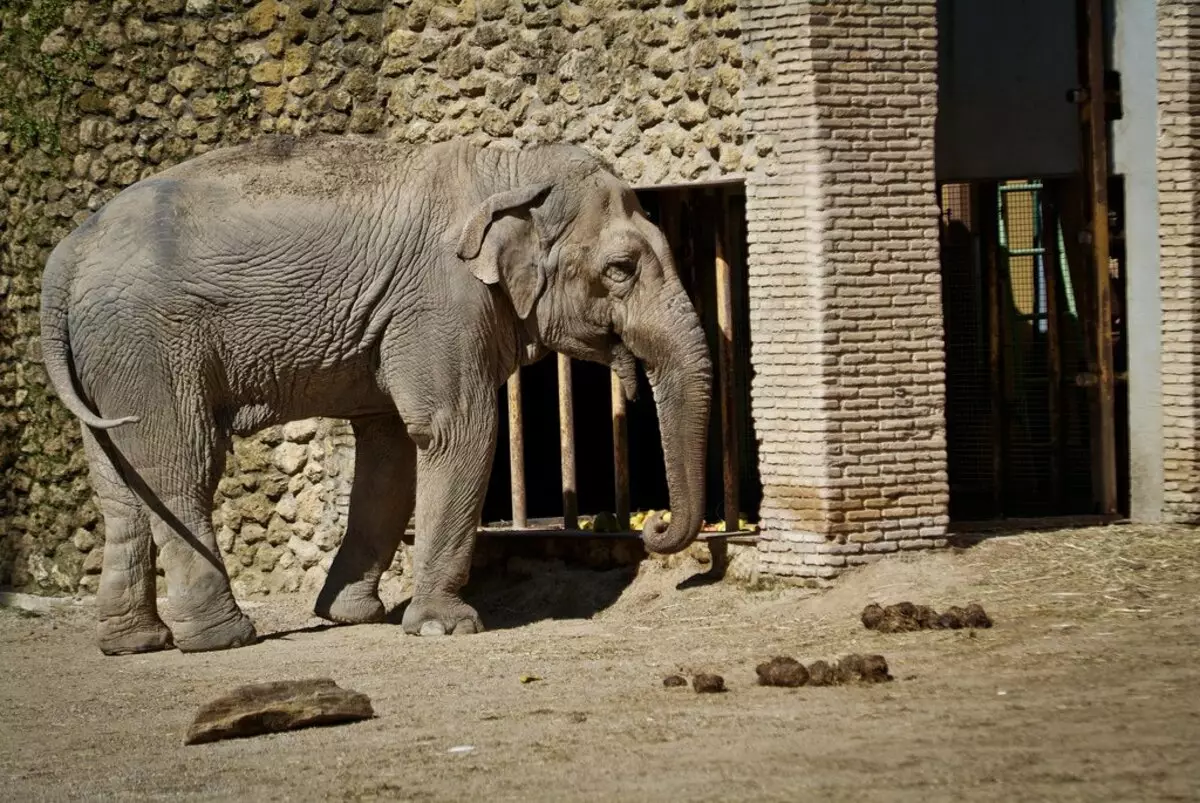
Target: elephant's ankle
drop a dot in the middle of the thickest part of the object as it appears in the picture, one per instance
(354, 604)
(196, 635)
(130, 634)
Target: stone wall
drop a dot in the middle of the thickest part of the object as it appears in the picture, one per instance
(1179, 173)
(99, 94)
(848, 393)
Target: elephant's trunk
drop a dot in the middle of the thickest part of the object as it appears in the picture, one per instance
(681, 375)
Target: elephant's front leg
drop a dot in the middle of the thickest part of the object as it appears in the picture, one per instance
(381, 503)
(453, 466)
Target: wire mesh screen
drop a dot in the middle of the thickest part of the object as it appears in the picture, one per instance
(969, 437)
(1025, 326)
(1018, 422)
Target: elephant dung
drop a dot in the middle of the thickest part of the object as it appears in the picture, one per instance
(904, 617)
(863, 668)
(705, 683)
(782, 671)
(275, 706)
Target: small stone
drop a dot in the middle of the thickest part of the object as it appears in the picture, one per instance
(94, 561)
(84, 540)
(297, 60)
(366, 120)
(185, 77)
(274, 98)
(261, 18)
(674, 681)
(782, 671)
(650, 113)
(290, 457)
(206, 108)
(690, 113)
(55, 43)
(252, 533)
(161, 8)
(306, 552)
(705, 683)
(277, 706)
(267, 72)
(255, 507)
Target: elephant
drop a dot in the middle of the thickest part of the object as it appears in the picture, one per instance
(394, 286)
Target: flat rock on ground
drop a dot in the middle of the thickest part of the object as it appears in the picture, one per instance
(280, 705)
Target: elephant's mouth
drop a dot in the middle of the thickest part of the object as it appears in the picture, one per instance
(624, 364)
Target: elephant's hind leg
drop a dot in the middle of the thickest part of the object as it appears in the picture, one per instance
(178, 455)
(381, 504)
(129, 620)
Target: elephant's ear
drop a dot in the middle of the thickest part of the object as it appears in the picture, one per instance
(513, 252)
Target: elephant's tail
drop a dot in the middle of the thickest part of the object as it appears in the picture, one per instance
(56, 345)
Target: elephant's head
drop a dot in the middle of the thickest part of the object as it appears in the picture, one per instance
(595, 279)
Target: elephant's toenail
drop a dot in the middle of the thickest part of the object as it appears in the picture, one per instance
(433, 628)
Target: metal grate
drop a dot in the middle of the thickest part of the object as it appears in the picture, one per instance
(968, 373)
(1018, 421)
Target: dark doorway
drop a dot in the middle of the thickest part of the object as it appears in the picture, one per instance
(689, 217)
(1019, 322)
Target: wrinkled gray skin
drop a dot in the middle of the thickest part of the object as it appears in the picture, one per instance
(357, 279)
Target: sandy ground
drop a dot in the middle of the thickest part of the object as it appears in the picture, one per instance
(1086, 689)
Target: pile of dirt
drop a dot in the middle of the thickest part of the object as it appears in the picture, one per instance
(905, 617)
(787, 672)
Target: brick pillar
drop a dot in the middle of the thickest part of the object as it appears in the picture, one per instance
(1179, 175)
(844, 281)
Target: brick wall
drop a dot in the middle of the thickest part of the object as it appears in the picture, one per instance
(846, 317)
(1179, 172)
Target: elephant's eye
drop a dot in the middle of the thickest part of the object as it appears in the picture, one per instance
(620, 269)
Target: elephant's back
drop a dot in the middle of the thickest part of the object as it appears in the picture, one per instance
(317, 167)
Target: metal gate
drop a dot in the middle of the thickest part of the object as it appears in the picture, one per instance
(1019, 407)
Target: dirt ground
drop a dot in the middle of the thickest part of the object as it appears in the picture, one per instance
(1086, 689)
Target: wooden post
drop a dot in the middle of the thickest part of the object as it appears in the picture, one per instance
(516, 450)
(620, 432)
(725, 357)
(566, 440)
(1096, 150)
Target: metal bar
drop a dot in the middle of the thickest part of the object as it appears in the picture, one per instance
(620, 431)
(726, 357)
(1024, 187)
(1096, 148)
(1026, 252)
(990, 217)
(566, 440)
(516, 449)
(1053, 357)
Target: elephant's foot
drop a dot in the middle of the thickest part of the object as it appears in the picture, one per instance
(198, 636)
(355, 604)
(439, 616)
(129, 635)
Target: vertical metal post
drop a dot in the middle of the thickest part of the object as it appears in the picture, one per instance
(1096, 150)
(990, 212)
(726, 356)
(566, 439)
(620, 432)
(1049, 225)
(516, 450)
